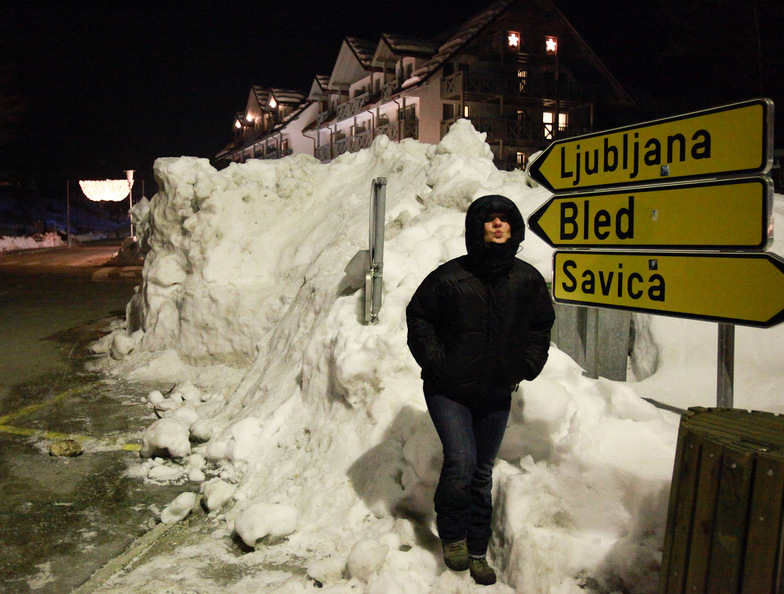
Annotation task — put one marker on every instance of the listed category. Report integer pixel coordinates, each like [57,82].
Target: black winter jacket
[474,322]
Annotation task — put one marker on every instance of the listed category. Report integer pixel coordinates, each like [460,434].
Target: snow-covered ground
[307,430]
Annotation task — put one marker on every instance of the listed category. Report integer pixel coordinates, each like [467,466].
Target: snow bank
[301,405]
[27,243]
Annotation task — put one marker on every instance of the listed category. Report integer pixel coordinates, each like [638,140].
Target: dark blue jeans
[471,437]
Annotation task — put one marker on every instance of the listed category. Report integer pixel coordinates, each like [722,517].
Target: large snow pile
[308,430]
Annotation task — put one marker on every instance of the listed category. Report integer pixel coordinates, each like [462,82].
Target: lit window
[273,103]
[513,40]
[551,45]
[547,120]
[522,80]
[465,111]
[237,125]
[249,118]
[521,160]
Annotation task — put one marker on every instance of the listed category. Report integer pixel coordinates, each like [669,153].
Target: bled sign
[733,139]
[739,288]
[719,214]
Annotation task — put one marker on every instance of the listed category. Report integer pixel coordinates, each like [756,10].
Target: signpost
[734,139]
[727,214]
[737,288]
[691,182]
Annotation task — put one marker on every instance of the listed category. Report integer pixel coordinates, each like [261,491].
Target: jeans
[471,437]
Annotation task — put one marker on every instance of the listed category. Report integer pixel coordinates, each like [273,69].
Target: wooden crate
[724,523]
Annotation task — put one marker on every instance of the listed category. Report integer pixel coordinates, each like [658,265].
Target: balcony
[508,131]
[351,108]
[396,131]
[467,87]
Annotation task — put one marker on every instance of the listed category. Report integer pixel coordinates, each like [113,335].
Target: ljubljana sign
[734,139]
[725,214]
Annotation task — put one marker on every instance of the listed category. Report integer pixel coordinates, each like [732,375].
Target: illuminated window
[237,125]
[551,45]
[465,111]
[548,118]
[522,80]
[513,40]
[273,104]
[521,160]
[248,118]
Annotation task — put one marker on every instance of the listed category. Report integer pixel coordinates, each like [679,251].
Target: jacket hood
[475,222]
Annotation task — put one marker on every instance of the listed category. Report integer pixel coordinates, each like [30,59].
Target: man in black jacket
[477,326]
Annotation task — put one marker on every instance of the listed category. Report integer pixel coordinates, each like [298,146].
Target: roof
[584,59]
[462,36]
[409,46]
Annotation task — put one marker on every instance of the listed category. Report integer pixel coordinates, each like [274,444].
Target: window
[522,159]
[465,111]
[548,118]
[407,113]
[513,41]
[522,81]
[563,121]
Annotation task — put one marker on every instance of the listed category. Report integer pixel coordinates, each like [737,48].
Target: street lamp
[129,175]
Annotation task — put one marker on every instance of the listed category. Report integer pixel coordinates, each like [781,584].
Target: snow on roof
[460,38]
[288,96]
[363,49]
[405,44]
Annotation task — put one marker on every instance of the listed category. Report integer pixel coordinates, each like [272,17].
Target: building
[518,70]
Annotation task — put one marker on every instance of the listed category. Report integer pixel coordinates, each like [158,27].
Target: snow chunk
[216,493]
[182,505]
[166,437]
[365,558]
[265,519]
[329,570]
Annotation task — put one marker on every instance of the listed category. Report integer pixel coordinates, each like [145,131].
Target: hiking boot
[456,555]
[482,573]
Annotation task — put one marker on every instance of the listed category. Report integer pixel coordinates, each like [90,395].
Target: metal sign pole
[373,278]
[725,381]
[68,212]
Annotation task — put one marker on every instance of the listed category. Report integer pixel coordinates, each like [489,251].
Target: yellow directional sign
[725,214]
[746,289]
[733,139]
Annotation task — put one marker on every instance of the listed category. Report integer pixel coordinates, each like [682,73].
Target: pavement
[69,523]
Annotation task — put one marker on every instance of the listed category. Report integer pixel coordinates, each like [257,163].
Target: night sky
[88,89]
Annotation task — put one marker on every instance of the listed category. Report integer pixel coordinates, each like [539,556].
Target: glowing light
[513,39]
[273,103]
[109,190]
[551,45]
[249,118]
[237,125]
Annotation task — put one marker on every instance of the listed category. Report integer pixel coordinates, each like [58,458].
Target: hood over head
[492,258]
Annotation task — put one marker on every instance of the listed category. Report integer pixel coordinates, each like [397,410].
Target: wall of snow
[325,416]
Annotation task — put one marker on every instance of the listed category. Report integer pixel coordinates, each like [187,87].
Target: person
[477,326]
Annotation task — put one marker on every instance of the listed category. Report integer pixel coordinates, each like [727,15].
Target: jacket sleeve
[421,318]
[542,319]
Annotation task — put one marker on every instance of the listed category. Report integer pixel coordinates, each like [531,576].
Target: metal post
[373,278]
[725,381]
[68,211]
[592,342]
